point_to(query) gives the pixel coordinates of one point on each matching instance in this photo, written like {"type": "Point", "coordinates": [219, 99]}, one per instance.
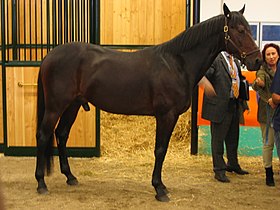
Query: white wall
{"type": "Point", "coordinates": [255, 11]}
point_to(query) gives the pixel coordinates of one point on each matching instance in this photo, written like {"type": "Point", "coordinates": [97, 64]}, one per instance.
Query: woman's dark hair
{"type": "Point", "coordinates": [275, 46]}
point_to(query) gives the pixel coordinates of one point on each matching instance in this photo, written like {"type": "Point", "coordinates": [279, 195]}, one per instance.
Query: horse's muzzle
{"type": "Point", "coordinates": [253, 63]}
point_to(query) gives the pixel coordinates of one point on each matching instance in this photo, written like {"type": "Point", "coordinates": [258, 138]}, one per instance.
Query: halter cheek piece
{"type": "Point", "coordinates": [243, 54]}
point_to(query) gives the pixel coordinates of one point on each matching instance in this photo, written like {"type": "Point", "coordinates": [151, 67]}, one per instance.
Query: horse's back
{"type": "Point", "coordinates": [63, 63]}
{"type": "Point", "coordinates": [64, 55]}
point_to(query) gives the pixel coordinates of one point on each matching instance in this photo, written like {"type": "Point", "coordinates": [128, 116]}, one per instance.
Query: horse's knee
{"type": "Point", "coordinates": [61, 136]}
{"type": "Point", "coordinates": [43, 140]}
{"type": "Point", "coordinates": [40, 137]}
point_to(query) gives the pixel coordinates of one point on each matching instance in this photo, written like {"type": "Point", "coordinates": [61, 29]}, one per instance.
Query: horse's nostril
{"type": "Point", "coordinates": [259, 61]}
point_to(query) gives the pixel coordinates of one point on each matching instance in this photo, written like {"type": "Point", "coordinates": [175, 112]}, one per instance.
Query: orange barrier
{"type": "Point", "coordinates": [250, 117]}
{"type": "Point", "coordinates": [250, 75]}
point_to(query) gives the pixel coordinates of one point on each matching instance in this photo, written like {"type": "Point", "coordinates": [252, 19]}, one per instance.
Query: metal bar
{"type": "Point", "coordinates": [24, 30]}
{"type": "Point", "coordinates": [194, 106]}
{"type": "Point", "coordinates": [59, 22]}
{"type": "Point", "coordinates": [48, 25]}
{"type": "Point", "coordinates": [65, 21]}
{"type": "Point", "coordinates": [87, 22]}
{"type": "Point", "coordinates": [18, 30]}
{"type": "Point", "coordinates": [14, 28]}
{"type": "Point", "coordinates": [95, 22]}
{"type": "Point", "coordinates": [188, 14]}
{"type": "Point", "coordinates": [83, 13]}
{"type": "Point", "coordinates": [30, 31]}
{"type": "Point", "coordinates": [77, 21]}
{"type": "Point", "coordinates": [3, 30]}
{"type": "Point", "coordinates": [72, 21]}
{"type": "Point", "coordinates": [20, 84]}
{"type": "Point", "coordinates": [4, 95]}
{"type": "Point", "coordinates": [23, 63]}
{"type": "Point", "coordinates": [54, 23]}
{"type": "Point", "coordinates": [8, 32]}
{"type": "Point", "coordinates": [36, 31]}
{"type": "Point", "coordinates": [42, 31]}
{"type": "Point", "coordinates": [95, 38]}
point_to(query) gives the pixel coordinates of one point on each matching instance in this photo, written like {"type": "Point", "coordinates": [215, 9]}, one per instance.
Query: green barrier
{"type": "Point", "coordinates": [250, 141]}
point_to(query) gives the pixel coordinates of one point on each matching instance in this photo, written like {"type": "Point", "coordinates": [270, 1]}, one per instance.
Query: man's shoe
{"type": "Point", "coordinates": [221, 177]}
{"type": "Point", "coordinates": [239, 170]}
{"type": "Point", "coordinates": [269, 177]}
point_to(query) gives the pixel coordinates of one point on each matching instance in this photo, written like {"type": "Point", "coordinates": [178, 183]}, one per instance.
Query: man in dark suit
{"type": "Point", "coordinates": [224, 111]}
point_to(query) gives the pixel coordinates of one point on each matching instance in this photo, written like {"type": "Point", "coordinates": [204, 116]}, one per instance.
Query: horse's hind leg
{"type": "Point", "coordinates": [62, 134]}
{"type": "Point", "coordinates": [44, 137]}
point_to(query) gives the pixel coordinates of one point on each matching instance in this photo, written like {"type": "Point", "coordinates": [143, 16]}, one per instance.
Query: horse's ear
{"type": "Point", "coordinates": [242, 10]}
{"type": "Point", "coordinates": [226, 11]}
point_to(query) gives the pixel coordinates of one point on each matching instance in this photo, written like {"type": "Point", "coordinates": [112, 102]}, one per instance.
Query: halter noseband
{"type": "Point", "coordinates": [243, 54]}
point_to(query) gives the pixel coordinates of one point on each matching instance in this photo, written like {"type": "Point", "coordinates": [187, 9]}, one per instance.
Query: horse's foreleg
{"type": "Point", "coordinates": [164, 127]}
{"type": "Point", "coordinates": [62, 134]}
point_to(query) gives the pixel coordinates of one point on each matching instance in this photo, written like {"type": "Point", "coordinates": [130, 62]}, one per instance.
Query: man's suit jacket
{"type": "Point", "coordinates": [214, 107]}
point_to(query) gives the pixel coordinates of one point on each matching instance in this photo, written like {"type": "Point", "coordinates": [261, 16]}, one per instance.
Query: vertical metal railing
{"type": "Point", "coordinates": [33, 28]}
{"type": "Point", "coordinates": [194, 105]}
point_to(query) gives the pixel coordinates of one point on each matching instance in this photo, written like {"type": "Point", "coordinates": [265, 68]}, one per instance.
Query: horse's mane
{"type": "Point", "coordinates": [198, 33]}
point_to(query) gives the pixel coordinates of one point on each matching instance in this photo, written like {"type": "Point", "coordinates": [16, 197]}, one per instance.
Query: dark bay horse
{"type": "Point", "coordinates": [156, 81]}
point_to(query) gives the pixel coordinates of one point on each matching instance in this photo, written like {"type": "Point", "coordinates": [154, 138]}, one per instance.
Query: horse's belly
{"type": "Point", "coordinates": [122, 103]}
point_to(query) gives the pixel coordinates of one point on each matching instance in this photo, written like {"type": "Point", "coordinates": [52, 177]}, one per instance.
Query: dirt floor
{"type": "Point", "coordinates": [121, 177]}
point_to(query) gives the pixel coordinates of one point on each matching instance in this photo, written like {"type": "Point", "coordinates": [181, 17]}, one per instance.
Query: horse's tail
{"type": "Point", "coordinates": [40, 115]}
{"type": "Point", "coordinates": [40, 102]}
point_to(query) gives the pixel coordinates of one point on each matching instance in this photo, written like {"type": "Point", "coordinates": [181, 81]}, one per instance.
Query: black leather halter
{"type": "Point", "coordinates": [243, 54]}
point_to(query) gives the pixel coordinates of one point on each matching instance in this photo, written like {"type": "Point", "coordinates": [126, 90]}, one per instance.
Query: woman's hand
{"type": "Point", "coordinates": [259, 82]}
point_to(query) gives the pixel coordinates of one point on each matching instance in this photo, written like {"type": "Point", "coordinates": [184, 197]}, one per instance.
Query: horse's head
{"type": "Point", "coordinates": [239, 40]}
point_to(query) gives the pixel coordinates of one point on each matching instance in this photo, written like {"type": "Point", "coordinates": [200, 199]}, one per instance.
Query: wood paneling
{"type": "Point", "coordinates": [21, 106]}
{"type": "Point", "coordinates": [141, 21]}
{"type": "Point", "coordinates": [21, 112]}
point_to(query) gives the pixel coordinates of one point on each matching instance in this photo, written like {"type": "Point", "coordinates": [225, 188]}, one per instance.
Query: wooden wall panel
{"type": "Point", "coordinates": [21, 106]}
{"type": "Point", "coordinates": [141, 21]}
{"type": "Point", "coordinates": [21, 112]}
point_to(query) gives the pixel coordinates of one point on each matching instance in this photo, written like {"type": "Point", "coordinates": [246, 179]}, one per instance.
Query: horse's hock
{"type": "Point", "coordinates": [33, 28]}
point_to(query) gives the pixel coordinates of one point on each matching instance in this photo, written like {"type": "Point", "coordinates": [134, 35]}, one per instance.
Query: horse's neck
{"type": "Point", "coordinates": [199, 59]}
{"type": "Point", "coordinates": [193, 36]}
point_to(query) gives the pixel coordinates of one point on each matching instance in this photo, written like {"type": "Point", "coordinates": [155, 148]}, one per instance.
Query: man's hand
{"type": "Point", "coordinates": [271, 103]}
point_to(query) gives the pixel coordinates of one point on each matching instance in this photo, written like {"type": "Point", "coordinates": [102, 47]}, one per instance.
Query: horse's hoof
{"type": "Point", "coordinates": [42, 191]}
{"type": "Point", "coordinates": [162, 198]}
{"type": "Point", "coordinates": [72, 182]}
